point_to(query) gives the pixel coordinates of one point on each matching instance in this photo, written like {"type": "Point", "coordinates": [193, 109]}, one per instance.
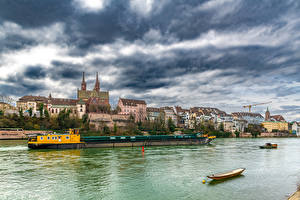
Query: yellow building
{"type": "Point", "coordinates": [270, 126]}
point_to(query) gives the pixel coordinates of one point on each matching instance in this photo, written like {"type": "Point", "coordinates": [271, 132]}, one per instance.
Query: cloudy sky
{"type": "Point", "coordinates": [220, 53]}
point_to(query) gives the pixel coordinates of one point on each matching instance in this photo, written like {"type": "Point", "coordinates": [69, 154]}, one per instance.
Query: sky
{"type": "Point", "coordinates": [216, 53]}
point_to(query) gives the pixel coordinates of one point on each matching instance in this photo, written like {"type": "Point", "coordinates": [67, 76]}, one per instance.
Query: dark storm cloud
{"type": "Point", "coordinates": [64, 70]}
{"type": "Point", "coordinates": [258, 59]}
{"type": "Point", "coordinates": [18, 86]}
{"type": "Point", "coordinates": [31, 13]}
{"type": "Point", "coordinates": [35, 72]}
{"type": "Point", "coordinates": [15, 42]}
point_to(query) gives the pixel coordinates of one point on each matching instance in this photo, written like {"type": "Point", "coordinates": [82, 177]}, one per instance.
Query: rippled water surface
{"type": "Point", "coordinates": [160, 173]}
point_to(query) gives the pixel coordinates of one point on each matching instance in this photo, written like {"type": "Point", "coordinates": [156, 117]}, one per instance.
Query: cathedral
{"type": "Point", "coordinates": [95, 95]}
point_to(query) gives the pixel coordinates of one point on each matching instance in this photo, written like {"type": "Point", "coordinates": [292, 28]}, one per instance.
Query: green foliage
{"type": "Point", "coordinates": [237, 134]}
{"type": "Point", "coordinates": [219, 134]}
{"type": "Point", "coordinates": [1, 113]}
{"type": "Point", "coordinates": [115, 128]}
{"type": "Point", "coordinates": [106, 130]}
{"type": "Point", "coordinates": [254, 129]}
{"type": "Point", "coordinates": [187, 131]}
{"type": "Point", "coordinates": [62, 122]}
{"type": "Point", "coordinates": [36, 127]}
{"type": "Point", "coordinates": [171, 125]}
{"type": "Point", "coordinates": [41, 108]}
{"type": "Point", "coordinates": [30, 112]}
{"type": "Point", "coordinates": [221, 127]}
{"type": "Point", "coordinates": [46, 113]}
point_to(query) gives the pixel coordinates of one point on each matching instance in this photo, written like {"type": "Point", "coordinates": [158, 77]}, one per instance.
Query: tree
{"type": "Point", "coordinates": [30, 112]}
{"type": "Point", "coordinates": [1, 113]}
{"type": "Point", "coordinates": [46, 113]}
{"type": "Point", "coordinates": [41, 109]}
{"type": "Point", "coordinates": [106, 129]}
{"type": "Point", "coordinates": [237, 134]}
{"type": "Point", "coordinates": [115, 128]}
{"type": "Point", "coordinates": [221, 127]}
{"type": "Point", "coordinates": [36, 127]}
{"type": "Point", "coordinates": [171, 125]}
{"type": "Point", "coordinates": [254, 129]}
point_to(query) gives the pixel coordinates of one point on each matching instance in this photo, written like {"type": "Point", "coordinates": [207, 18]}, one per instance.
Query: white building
{"type": "Point", "coordinates": [296, 128]}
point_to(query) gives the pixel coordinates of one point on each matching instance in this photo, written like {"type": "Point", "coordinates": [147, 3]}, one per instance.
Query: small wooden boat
{"type": "Point", "coordinates": [268, 146]}
{"type": "Point", "coordinates": [225, 175]}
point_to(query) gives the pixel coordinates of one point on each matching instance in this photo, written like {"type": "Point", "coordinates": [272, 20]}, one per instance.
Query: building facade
{"type": "Point", "coordinates": [169, 113]}
{"type": "Point", "coordinates": [296, 128]}
{"type": "Point", "coordinates": [6, 106]}
{"type": "Point", "coordinates": [275, 126]}
{"type": "Point", "coordinates": [153, 114]}
{"type": "Point", "coordinates": [136, 108]}
{"type": "Point", "coordinates": [85, 95]}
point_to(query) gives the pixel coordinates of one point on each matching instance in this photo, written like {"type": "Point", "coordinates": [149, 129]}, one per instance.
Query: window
{"type": "Point", "coordinates": [81, 110]}
{"type": "Point", "coordinates": [53, 138]}
{"type": "Point", "coordinates": [80, 106]}
{"type": "Point", "coordinates": [42, 138]}
{"type": "Point", "coordinates": [52, 110]}
{"type": "Point", "coordinates": [48, 138]}
{"type": "Point", "coordinates": [56, 110]}
{"type": "Point", "coordinates": [67, 137]}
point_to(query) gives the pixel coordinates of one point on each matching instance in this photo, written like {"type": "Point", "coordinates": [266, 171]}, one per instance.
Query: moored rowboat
{"type": "Point", "coordinates": [225, 175]}
{"type": "Point", "coordinates": [268, 146]}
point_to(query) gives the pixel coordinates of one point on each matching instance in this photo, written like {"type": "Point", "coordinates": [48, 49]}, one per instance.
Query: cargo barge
{"type": "Point", "coordinates": [72, 140]}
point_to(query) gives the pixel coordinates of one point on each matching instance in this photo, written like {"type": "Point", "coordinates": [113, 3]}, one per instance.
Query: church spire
{"type": "Point", "coordinates": [83, 83]}
{"type": "Point", "coordinates": [97, 84]}
{"type": "Point", "coordinates": [267, 115]}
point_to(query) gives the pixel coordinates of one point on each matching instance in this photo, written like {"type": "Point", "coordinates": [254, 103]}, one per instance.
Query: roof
{"type": "Point", "coordinates": [179, 109]}
{"type": "Point", "coordinates": [61, 101]}
{"type": "Point", "coordinates": [248, 114]}
{"type": "Point", "coordinates": [97, 101]}
{"type": "Point", "coordinates": [132, 102]}
{"type": "Point", "coordinates": [207, 111]}
{"type": "Point", "coordinates": [151, 109]}
{"type": "Point", "coordinates": [277, 118]}
{"type": "Point", "coordinates": [33, 98]}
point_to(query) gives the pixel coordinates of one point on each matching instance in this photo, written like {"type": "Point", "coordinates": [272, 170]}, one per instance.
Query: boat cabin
{"type": "Point", "coordinates": [71, 137]}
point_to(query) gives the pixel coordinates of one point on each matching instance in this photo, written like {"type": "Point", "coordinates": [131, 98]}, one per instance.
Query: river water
{"type": "Point", "coordinates": [158, 173]}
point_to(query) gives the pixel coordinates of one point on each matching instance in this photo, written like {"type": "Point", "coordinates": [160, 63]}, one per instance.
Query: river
{"type": "Point", "coordinates": [158, 173]}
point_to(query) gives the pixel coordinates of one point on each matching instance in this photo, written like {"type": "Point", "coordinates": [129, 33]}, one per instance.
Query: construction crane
{"type": "Point", "coordinates": [250, 106]}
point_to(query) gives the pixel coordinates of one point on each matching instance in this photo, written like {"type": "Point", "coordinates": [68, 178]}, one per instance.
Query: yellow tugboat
{"type": "Point", "coordinates": [70, 140]}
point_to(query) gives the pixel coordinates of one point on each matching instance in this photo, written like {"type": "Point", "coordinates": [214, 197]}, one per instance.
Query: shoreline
{"type": "Point", "coordinates": [295, 196]}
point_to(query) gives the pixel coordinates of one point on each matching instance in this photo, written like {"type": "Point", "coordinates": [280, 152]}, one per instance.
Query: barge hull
{"type": "Point", "coordinates": [56, 146]}
{"type": "Point", "coordinates": [95, 144]}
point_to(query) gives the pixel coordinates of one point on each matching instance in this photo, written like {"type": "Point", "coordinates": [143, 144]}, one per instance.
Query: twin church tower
{"type": "Point", "coordinates": [92, 95]}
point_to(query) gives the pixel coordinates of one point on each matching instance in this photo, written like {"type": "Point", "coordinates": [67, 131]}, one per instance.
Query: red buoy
{"type": "Point", "coordinates": [143, 149]}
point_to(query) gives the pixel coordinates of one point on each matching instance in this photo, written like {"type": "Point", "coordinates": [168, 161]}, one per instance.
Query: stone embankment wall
{"type": "Point", "coordinates": [17, 135]}
{"type": "Point", "coordinates": [101, 119]}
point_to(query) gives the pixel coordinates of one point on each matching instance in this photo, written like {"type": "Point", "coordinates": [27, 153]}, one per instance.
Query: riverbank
{"type": "Point", "coordinates": [18, 134]}
{"type": "Point", "coordinates": [295, 196]}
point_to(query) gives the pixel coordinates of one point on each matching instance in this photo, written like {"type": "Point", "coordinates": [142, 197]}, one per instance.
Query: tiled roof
{"type": "Point", "coordinates": [151, 109]}
{"type": "Point", "coordinates": [207, 111]}
{"type": "Point", "coordinates": [277, 118]}
{"type": "Point", "coordinates": [33, 98]}
{"type": "Point", "coordinates": [166, 108]}
{"type": "Point", "coordinates": [132, 102]}
{"type": "Point", "coordinates": [61, 101]}
{"type": "Point", "coordinates": [243, 114]}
